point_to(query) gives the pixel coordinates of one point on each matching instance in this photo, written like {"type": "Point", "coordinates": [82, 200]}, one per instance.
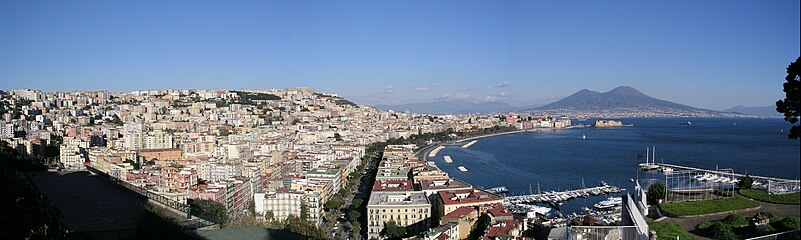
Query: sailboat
{"type": "Point", "coordinates": [648, 165]}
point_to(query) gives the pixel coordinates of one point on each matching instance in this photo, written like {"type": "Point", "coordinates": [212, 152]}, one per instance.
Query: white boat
{"type": "Point", "coordinates": [610, 202]}
{"type": "Point", "coordinates": [462, 168]}
{"type": "Point", "coordinates": [448, 159]}
{"type": "Point", "coordinates": [583, 136]}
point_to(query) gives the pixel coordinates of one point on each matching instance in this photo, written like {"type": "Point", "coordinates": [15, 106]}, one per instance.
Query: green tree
{"type": "Point", "coordinates": [791, 105]}
{"type": "Point", "coordinates": [736, 220]}
{"type": "Point", "coordinates": [337, 137]}
{"type": "Point", "coordinates": [210, 210]}
{"type": "Point", "coordinates": [335, 202]}
{"type": "Point", "coordinates": [657, 191]}
{"type": "Point", "coordinates": [393, 231]}
{"type": "Point", "coordinates": [745, 182]}
{"type": "Point", "coordinates": [357, 202]}
{"type": "Point", "coordinates": [722, 231]}
{"type": "Point", "coordinates": [304, 211]}
{"type": "Point", "coordinates": [790, 223]}
{"type": "Point", "coordinates": [353, 216]}
{"type": "Point", "coordinates": [269, 215]}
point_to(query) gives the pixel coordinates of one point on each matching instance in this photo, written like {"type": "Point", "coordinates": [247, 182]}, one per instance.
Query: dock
{"type": "Point", "coordinates": [448, 159]}
{"type": "Point", "coordinates": [755, 177]}
{"type": "Point", "coordinates": [562, 196]}
{"type": "Point", "coordinates": [434, 152]}
{"type": "Point", "coordinates": [469, 144]}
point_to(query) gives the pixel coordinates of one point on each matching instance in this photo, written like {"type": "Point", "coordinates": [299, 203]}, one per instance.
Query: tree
{"type": "Point", "coordinates": [210, 210]}
{"type": "Point", "coordinates": [337, 137]}
{"type": "Point", "coordinates": [722, 231]}
{"type": "Point", "coordinates": [269, 215]}
{"type": "Point", "coordinates": [335, 202]}
{"type": "Point", "coordinates": [304, 211]}
{"type": "Point", "coordinates": [353, 216]}
{"type": "Point", "coordinates": [657, 191]}
{"type": "Point", "coordinates": [745, 182]}
{"type": "Point", "coordinates": [791, 105]}
{"type": "Point", "coordinates": [357, 202]}
{"type": "Point", "coordinates": [393, 230]}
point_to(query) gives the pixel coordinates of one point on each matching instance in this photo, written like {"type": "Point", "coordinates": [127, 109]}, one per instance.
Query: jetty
{"type": "Point", "coordinates": [448, 159]}
{"type": "Point", "coordinates": [434, 152]}
{"type": "Point", "coordinates": [562, 196]}
{"type": "Point", "coordinates": [469, 144]}
{"type": "Point", "coordinates": [755, 177]}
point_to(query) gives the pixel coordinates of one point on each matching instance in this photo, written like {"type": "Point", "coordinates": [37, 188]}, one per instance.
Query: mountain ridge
{"type": "Point", "coordinates": [622, 97]}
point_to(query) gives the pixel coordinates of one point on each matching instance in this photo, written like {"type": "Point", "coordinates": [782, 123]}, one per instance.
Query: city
{"type": "Point", "coordinates": [400, 120]}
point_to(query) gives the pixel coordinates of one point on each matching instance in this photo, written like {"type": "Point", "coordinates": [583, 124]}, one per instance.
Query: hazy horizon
{"type": "Point", "coordinates": [711, 55]}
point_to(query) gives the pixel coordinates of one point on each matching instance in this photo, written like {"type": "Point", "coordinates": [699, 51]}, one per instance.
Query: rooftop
{"type": "Point", "coordinates": [443, 184]}
{"type": "Point", "coordinates": [392, 185]}
{"type": "Point", "coordinates": [463, 196]}
{"type": "Point", "coordinates": [397, 199]}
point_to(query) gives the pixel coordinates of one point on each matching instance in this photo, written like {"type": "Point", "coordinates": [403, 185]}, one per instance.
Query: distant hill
{"type": "Point", "coordinates": [451, 107]}
{"type": "Point", "coordinates": [767, 111]}
{"type": "Point", "coordinates": [623, 97]}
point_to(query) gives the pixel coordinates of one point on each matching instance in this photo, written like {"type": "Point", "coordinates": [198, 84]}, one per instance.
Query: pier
{"type": "Point", "coordinates": [563, 196]}
{"type": "Point", "coordinates": [755, 177]}
{"type": "Point", "coordinates": [469, 144]}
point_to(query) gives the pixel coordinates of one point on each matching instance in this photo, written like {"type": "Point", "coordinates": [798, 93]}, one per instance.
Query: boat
{"type": "Point", "coordinates": [688, 123]}
{"type": "Point", "coordinates": [448, 159]}
{"type": "Point", "coordinates": [583, 136]}
{"type": "Point", "coordinates": [498, 190]}
{"type": "Point", "coordinates": [609, 203]}
{"type": "Point", "coordinates": [648, 165]}
{"type": "Point", "coordinates": [462, 168]}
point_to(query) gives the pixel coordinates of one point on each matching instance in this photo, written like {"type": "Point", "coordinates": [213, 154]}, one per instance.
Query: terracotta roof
{"type": "Point", "coordinates": [392, 185]}
{"type": "Point", "coordinates": [463, 196]}
{"type": "Point", "coordinates": [460, 212]}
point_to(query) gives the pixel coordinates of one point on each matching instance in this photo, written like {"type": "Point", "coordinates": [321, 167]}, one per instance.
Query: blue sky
{"type": "Point", "coordinates": [710, 54]}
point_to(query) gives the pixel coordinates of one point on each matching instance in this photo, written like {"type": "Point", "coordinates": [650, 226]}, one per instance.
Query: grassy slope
{"type": "Point", "coordinates": [679, 209]}
{"type": "Point", "coordinates": [762, 196]}
{"type": "Point", "coordinates": [668, 230]}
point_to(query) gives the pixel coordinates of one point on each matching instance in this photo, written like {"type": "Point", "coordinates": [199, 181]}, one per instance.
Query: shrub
{"type": "Point", "coordinates": [721, 231]}
{"type": "Point", "coordinates": [790, 223]}
{"type": "Point", "coordinates": [735, 220]}
{"type": "Point", "coordinates": [657, 191]}
{"type": "Point", "coordinates": [745, 182]}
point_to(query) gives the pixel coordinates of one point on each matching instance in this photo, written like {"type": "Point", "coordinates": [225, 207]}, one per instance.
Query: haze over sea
{"type": "Point", "coordinates": [558, 160]}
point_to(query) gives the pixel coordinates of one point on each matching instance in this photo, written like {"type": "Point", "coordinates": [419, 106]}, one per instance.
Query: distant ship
{"type": "Point", "coordinates": [688, 123]}
{"type": "Point", "coordinates": [583, 136]}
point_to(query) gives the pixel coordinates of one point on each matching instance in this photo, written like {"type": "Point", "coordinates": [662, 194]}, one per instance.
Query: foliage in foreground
{"type": "Point", "coordinates": [210, 210]}
{"type": "Point", "coordinates": [738, 227]}
{"type": "Point", "coordinates": [791, 104]}
{"type": "Point", "coordinates": [763, 196]}
{"type": "Point", "coordinates": [669, 230]}
{"type": "Point", "coordinates": [679, 209]}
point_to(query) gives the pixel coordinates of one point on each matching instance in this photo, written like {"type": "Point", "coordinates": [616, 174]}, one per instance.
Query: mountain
{"type": "Point", "coordinates": [767, 111]}
{"type": "Point", "coordinates": [450, 107]}
{"type": "Point", "coordinates": [623, 97]}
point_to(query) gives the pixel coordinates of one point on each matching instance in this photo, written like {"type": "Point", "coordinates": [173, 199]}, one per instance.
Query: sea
{"type": "Point", "coordinates": [556, 160]}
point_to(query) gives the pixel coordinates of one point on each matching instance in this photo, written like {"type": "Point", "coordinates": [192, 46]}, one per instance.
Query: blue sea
{"type": "Point", "coordinates": [561, 159]}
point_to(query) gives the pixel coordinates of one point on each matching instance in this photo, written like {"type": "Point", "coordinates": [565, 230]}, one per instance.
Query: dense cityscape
{"type": "Point", "coordinates": [400, 120]}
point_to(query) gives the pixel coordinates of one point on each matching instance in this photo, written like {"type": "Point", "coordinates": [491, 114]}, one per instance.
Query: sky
{"type": "Point", "coordinates": [710, 54]}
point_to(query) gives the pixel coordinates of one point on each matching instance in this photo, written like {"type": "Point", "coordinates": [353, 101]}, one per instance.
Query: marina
{"type": "Point", "coordinates": [551, 196]}
{"type": "Point", "coordinates": [447, 159]}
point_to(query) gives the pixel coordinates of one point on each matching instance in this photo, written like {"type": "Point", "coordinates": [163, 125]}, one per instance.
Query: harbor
{"type": "Point", "coordinates": [552, 196]}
